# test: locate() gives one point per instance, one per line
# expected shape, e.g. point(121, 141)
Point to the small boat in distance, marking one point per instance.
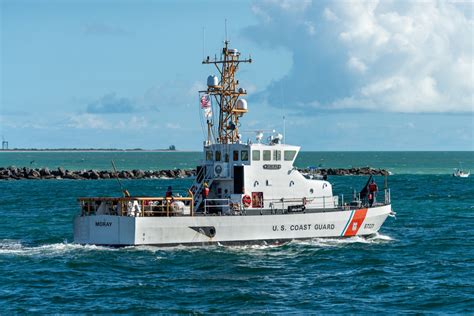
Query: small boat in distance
point(460, 173)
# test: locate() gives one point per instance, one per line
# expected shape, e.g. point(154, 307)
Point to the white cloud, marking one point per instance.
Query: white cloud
point(137, 122)
point(111, 103)
point(88, 121)
point(356, 64)
point(310, 28)
point(329, 15)
point(106, 122)
point(394, 56)
point(291, 5)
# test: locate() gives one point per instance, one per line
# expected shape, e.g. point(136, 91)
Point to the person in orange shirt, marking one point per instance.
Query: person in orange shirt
point(205, 191)
point(372, 192)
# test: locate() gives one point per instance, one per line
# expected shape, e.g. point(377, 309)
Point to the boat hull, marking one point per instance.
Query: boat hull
point(202, 230)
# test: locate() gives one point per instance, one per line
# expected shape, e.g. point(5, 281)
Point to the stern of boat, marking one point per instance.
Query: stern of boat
point(104, 230)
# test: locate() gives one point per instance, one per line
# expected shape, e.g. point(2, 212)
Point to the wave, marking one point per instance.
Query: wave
point(336, 242)
point(16, 247)
point(314, 242)
point(320, 242)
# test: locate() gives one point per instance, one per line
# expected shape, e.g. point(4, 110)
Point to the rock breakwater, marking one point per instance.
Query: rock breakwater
point(15, 173)
point(21, 173)
point(364, 171)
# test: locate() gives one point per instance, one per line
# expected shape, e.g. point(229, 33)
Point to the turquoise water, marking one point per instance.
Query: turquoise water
point(421, 262)
point(396, 162)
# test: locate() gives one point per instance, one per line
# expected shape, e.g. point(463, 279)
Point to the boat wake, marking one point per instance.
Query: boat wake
point(335, 242)
point(316, 242)
point(16, 247)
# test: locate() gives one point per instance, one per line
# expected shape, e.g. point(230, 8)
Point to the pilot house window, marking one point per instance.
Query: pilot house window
point(244, 155)
point(235, 155)
point(255, 155)
point(218, 156)
point(208, 155)
point(267, 155)
point(290, 155)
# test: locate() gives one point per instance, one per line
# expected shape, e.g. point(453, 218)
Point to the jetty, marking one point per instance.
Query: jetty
point(25, 173)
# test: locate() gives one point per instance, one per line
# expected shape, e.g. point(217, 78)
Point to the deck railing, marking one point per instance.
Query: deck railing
point(217, 206)
point(137, 206)
point(318, 202)
point(380, 198)
point(184, 206)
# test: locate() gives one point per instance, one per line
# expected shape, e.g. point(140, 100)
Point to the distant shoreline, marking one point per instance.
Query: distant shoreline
point(92, 150)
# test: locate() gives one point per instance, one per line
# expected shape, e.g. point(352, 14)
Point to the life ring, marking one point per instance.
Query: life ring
point(246, 200)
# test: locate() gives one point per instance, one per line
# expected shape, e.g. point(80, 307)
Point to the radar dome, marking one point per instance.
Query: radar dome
point(242, 104)
point(212, 81)
point(233, 51)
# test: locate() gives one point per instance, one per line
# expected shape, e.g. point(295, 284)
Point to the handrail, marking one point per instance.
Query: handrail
point(305, 200)
point(197, 187)
point(144, 206)
point(121, 205)
point(192, 202)
point(385, 199)
point(133, 198)
point(226, 204)
point(308, 199)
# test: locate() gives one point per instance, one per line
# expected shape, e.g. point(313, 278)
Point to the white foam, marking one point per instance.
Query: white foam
point(379, 236)
point(262, 246)
point(15, 247)
point(335, 242)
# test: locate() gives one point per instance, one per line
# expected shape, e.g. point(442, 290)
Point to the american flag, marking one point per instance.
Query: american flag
point(205, 101)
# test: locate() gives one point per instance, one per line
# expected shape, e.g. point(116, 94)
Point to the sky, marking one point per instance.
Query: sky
point(345, 75)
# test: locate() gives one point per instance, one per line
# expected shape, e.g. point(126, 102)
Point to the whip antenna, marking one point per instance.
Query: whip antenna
point(203, 42)
point(124, 191)
point(225, 24)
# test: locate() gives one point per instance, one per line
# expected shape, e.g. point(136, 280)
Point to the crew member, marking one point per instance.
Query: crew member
point(372, 192)
point(205, 194)
point(169, 192)
point(205, 191)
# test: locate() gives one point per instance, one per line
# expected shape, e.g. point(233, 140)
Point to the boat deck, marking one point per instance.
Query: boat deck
point(183, 206)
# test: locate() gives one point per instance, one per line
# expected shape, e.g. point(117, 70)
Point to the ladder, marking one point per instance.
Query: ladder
point(206, 177)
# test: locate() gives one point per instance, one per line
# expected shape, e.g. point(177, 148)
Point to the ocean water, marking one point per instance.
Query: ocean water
point(422, 261)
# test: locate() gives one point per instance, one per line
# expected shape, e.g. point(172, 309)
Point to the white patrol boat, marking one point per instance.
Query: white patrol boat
point(243, 192)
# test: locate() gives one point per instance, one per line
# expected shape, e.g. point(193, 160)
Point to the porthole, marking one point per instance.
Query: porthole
point(311, 191)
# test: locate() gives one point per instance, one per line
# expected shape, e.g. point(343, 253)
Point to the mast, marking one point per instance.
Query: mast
point(226, 93)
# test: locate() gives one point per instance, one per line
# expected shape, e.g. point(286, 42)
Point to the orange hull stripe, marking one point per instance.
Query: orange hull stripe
point(356, 222)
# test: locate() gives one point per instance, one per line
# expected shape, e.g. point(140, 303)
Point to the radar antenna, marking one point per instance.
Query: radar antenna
point(226, 93)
